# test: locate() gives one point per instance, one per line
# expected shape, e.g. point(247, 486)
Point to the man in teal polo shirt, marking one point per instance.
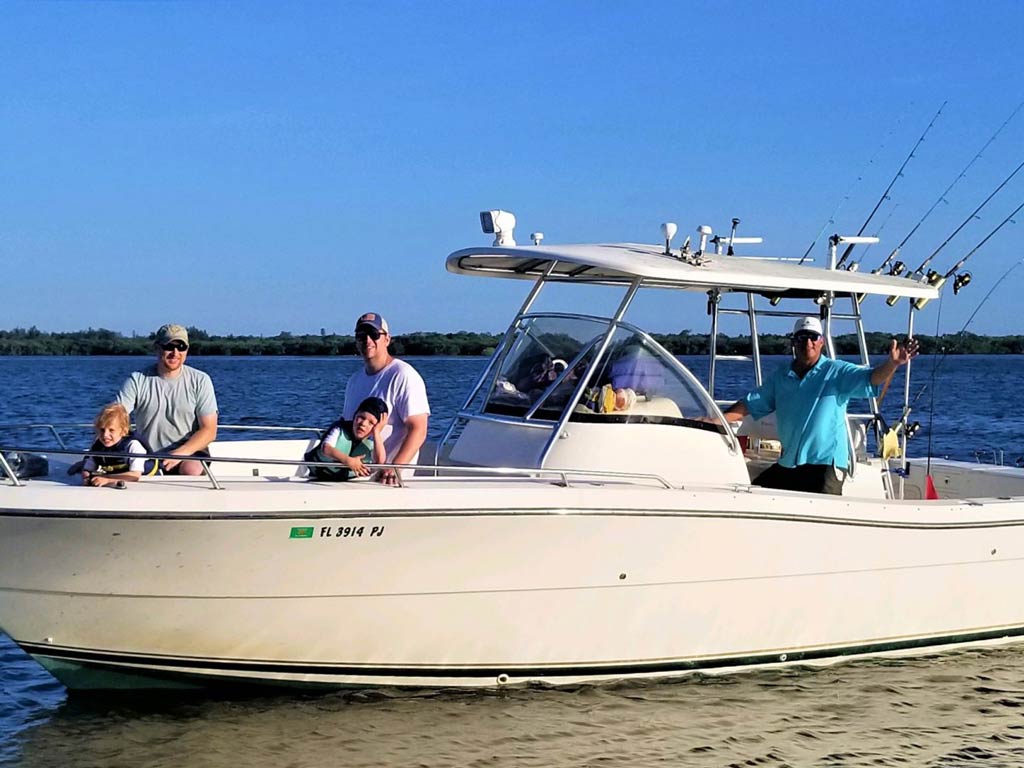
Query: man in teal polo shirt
point(809, 397)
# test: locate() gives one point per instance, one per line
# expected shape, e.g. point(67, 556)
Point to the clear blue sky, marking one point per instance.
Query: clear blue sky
point(258, 167)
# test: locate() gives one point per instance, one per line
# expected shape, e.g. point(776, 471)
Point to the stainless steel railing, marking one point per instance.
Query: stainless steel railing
point(436, 471)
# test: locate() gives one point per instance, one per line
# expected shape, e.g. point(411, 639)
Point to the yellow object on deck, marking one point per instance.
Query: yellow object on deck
point(891, 444)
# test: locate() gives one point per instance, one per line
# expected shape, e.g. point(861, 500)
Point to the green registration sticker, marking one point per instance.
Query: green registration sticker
point(301, 533)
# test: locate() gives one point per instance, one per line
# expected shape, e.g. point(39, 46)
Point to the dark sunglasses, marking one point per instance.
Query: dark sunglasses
point(801, 338)
point(181, 346)
point(362, 335)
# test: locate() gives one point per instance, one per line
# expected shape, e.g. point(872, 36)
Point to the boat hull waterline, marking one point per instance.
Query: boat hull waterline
point(607, 584)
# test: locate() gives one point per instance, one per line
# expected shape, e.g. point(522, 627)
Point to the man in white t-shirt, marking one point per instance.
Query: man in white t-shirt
point(396, 383)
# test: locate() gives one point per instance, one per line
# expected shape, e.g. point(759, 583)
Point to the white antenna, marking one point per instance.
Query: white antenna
point(536, 237)
point(668, 231)
point(705, 232)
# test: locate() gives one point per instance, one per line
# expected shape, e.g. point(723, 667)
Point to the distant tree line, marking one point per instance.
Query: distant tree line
point(686, 343)
point(100, 341)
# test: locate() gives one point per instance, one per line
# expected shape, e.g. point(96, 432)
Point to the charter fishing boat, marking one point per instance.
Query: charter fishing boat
point(587, 516)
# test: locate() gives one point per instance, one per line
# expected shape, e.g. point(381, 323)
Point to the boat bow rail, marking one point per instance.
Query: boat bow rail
point(564, 477)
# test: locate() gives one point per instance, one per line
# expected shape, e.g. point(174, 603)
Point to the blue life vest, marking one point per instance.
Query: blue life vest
point(115, 465)
point(362, 448)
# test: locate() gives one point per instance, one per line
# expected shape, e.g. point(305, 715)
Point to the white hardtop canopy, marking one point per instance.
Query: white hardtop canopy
point(622, 263)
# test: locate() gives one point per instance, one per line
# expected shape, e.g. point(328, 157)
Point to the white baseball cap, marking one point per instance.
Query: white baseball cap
point(808, 325)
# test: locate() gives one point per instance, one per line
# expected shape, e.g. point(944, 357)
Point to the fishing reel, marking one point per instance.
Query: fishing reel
point(889, 447)
point(962, 280)
point(897, 269)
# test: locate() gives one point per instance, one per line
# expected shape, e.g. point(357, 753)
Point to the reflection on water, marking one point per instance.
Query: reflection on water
point(948, 710)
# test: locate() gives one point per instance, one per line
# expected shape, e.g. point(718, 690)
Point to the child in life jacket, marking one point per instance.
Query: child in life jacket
point(349, 443)
point(113, 437)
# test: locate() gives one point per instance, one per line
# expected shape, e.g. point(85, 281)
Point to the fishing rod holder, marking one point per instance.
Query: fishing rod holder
point(714, 299)
point(934, 279)
point(849, 240)
point(724, 244)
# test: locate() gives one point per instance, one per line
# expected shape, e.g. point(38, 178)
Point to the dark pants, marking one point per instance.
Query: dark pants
point(810, 478)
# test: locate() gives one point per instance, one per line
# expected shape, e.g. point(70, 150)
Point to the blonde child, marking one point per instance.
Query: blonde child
point(113, 436)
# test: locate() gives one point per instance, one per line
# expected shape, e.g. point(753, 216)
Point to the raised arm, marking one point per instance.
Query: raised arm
point(899, 354)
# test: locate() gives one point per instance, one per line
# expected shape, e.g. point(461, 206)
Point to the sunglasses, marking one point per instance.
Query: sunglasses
point(363, 335)
point(801, 338)
point(180, 346)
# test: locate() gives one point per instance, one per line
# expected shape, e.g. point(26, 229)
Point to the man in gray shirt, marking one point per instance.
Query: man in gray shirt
point(173, 405)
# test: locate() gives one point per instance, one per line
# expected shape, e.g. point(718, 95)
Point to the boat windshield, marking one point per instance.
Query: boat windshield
point(551, 358)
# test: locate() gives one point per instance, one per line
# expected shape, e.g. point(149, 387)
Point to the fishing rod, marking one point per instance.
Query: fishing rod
point(942, 199)
point(854, 265)
point(964, 278)
point(845, 198)
point(932, 276)
point(913, 428)
point(888, 189)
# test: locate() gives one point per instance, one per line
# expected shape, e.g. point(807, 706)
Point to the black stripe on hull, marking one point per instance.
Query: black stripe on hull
point(126, 662)
point(547, 511)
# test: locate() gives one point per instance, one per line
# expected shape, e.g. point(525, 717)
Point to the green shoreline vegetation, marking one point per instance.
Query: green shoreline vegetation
point(32, 341)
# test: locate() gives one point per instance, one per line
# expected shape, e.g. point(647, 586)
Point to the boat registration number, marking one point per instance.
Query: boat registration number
point(338, 532)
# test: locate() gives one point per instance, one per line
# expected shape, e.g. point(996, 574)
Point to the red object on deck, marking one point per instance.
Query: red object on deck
point(929, 488)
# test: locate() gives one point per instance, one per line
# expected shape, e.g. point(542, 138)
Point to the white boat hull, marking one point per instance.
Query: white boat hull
point(481, 583)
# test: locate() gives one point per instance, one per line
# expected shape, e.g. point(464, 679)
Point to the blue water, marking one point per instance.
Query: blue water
point(950, 710)
point(969, 417)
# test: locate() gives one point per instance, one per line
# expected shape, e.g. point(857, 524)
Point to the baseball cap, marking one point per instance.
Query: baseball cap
point(808, 325)
point(373, 320)
point(373, 406)
point(171, 332)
